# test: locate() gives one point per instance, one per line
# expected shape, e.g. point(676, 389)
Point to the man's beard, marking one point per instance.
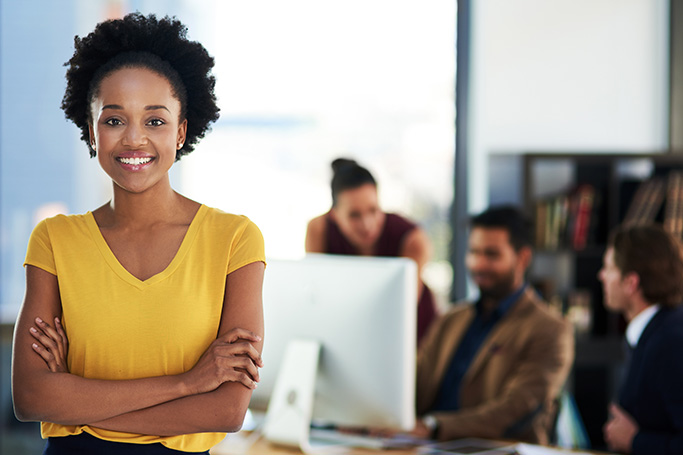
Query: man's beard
point(500, 289)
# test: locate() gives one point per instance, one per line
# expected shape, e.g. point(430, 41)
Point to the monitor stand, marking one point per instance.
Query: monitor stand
point(288, 419)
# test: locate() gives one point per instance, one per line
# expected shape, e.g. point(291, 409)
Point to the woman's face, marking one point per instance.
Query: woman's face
point(358, 215)
point(136, 128)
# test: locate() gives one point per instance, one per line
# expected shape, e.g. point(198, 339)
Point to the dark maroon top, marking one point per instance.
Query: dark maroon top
point(389, 244)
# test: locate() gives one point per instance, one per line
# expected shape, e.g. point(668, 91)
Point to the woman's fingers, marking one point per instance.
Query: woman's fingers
point(47, 328)
point(44, 340)
point(238, 333)
point(240, 363)
point(61, 332)
point(63, 340)
point(52, 344)
point(242, 348)
point(243, 378)
point(247, 349)
point(245, 364)
point(47, 356)
point(232, 357)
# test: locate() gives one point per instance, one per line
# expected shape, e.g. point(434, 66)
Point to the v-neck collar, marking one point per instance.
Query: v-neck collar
point(123, 273)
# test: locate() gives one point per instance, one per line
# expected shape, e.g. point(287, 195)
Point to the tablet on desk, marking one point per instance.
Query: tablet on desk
point(469, 446)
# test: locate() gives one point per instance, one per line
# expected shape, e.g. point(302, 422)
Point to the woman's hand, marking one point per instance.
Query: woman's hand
point(230, 358)
point(51, 344)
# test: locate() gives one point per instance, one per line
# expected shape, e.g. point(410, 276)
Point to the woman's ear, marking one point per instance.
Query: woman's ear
point(91, 133)
point(182, 134)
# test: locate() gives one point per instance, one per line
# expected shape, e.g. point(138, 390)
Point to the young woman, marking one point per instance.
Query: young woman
point(357, 225)
point(141, 329)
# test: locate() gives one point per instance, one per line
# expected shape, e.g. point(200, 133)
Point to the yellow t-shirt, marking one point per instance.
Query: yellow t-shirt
point(122, 328)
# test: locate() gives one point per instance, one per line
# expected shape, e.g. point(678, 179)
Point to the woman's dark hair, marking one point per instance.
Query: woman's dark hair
point(510, 218)
point(138, 41)
point(348, 175)
point(655, 256)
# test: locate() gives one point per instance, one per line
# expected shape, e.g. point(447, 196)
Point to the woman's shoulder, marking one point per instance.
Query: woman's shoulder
point(61, 222)
point(218, 215)
point(399, 222)
point(319, 222)
point(316, 234)
point(222, 221)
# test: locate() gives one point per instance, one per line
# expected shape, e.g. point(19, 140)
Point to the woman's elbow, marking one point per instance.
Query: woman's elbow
point(227, 423)
point(228, 416)
point(30, 405)
point(234, 426)
point(232, 421)
point(25, 410)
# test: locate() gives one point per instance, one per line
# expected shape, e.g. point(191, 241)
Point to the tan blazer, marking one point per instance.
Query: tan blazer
point(509, 389)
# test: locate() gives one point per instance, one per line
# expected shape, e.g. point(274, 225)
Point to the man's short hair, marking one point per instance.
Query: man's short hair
point(510, 218)
point(655, 256)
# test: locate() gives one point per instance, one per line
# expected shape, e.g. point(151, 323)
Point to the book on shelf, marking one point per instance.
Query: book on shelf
point(566, 220)
point(673, 211)
point(583, 218)
point(651, 195)
point(646, 202)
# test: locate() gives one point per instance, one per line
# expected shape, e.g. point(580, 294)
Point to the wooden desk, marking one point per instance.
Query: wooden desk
point(238, 443)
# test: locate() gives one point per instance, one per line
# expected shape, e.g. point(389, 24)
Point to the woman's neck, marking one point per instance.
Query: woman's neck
point(153, 206)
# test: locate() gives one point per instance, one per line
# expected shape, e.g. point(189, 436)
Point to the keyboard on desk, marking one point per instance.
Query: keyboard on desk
point(323, 436)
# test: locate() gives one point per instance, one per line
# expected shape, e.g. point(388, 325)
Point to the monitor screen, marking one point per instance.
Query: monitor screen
point(362, 311)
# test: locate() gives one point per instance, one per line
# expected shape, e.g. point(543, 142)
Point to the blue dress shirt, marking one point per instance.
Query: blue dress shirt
point(448, 398)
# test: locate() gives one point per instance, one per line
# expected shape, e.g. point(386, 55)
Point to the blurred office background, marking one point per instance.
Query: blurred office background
point(299, 83)
point(302, 82)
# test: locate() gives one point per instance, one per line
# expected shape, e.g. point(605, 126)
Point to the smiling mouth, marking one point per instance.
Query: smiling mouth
point(135, 161)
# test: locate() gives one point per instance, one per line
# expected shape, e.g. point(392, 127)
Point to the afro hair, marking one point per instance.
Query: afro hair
point(186, 64)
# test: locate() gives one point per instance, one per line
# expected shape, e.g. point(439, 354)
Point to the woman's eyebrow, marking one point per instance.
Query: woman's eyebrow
point(152, 107)
point(155, 107)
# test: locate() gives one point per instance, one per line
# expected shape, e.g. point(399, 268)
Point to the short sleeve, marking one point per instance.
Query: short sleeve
point(39, 253)
point(247, 247)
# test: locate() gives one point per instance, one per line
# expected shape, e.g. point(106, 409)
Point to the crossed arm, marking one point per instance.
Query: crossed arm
point(212, 396)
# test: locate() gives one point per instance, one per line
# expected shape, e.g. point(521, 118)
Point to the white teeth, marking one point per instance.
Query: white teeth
point(135, 161)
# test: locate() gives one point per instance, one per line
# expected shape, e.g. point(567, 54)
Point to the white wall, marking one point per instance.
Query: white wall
point(565, 76)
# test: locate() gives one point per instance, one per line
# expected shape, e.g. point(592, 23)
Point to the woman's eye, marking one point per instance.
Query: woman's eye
point(156, 122)
point(114, 122)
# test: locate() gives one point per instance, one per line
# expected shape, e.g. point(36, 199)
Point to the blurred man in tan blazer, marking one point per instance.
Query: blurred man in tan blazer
point(493, 368)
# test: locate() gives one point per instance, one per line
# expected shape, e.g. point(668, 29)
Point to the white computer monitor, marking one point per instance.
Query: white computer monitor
point(362, 311)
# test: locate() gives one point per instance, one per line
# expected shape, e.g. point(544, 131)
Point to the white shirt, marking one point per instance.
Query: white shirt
point(637, 325)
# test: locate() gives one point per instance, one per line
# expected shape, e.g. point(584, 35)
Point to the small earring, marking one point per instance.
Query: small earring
point(180, 146)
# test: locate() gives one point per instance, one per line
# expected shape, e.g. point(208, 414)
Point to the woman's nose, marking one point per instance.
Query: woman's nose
point(134, 136)
point(368, 223)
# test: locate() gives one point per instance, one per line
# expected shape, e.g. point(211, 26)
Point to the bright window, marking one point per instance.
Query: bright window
point(299, 83)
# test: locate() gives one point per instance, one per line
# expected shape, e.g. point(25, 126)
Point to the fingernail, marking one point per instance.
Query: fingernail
point(39, 320)
point(33, 330)
point(35, 346)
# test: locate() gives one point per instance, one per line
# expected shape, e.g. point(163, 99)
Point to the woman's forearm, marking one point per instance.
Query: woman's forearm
point(222, 410)
point(68, 399)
